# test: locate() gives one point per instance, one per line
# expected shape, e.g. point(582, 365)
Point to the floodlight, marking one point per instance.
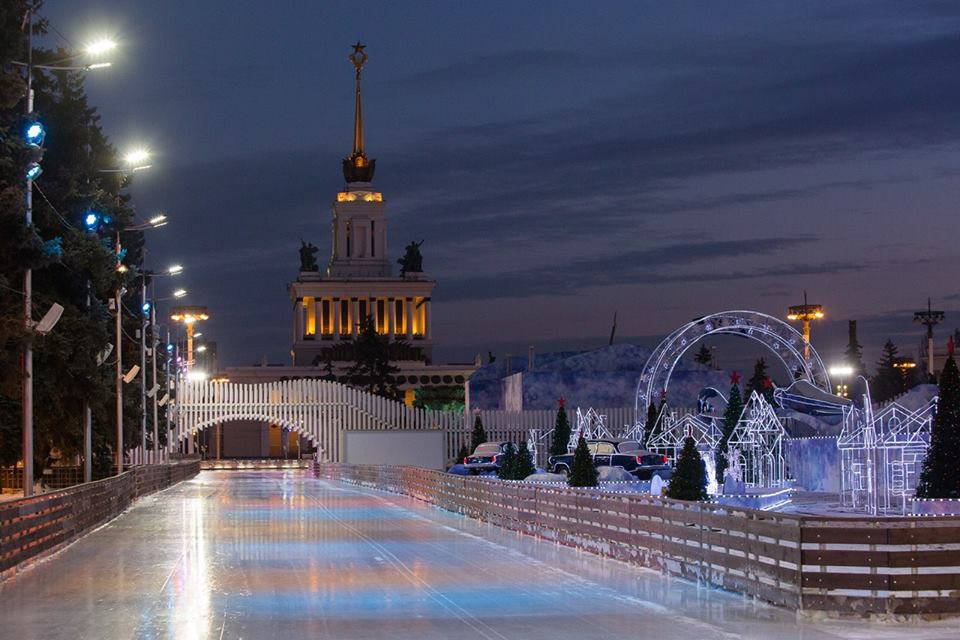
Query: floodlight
point(33, 171)
point(153, 390)
point(50, 320)
point(145, 307)
point(202, 348)
point(179, 293)
point(197, 376)
point(175, 269)
point(162, 401)
point(35, 134)
point(169, 348)
point(136, 157)
point(91, 221)
point(134, 370)
point(103, 355)
point(841, 371)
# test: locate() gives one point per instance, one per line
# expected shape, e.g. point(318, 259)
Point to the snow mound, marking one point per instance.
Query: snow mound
point(614, 474)
point(546, 477)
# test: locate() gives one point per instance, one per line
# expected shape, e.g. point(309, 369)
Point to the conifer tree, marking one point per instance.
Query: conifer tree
point(730, 419)
point(478, 436)
point(462, 454)
point(652, 428)
point(508, 463)
point(704, 357)
point(940, 477)
point(889, 381)
point(561, 431)
point(524, 466)
point(760, 382)
point(689, 481)
point(583, 473)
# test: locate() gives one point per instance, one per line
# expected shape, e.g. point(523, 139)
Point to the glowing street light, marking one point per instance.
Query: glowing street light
point(100, 46)
point(179, 293)
point(158, 220)
point(137, 159)
point(174, 269)
point(842, 372)
point(189, 316)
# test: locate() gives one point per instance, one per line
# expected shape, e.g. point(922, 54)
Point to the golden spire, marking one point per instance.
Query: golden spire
point(357, 168)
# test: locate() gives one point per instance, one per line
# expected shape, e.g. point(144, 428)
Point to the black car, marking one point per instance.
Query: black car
point(487, 457)
point(612, 452)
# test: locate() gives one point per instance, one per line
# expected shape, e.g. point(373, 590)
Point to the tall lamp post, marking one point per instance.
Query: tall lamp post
point(805, 313)
point(33, 171)
point(929, 318)
point(154, 342)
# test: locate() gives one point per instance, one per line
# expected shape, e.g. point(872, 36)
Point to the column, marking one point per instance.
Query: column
point(391, 317)
point(336, 318)
point(374, 312)
point(297, 321)
point(318, 318)
point(354, 316)
point(408, 313)
point(427, 320)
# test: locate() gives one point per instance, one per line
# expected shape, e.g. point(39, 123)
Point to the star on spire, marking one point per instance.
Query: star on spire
point(734, 377)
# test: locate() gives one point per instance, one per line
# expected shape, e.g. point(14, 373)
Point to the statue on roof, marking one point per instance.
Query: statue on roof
point(308, 257)
point(412, 260)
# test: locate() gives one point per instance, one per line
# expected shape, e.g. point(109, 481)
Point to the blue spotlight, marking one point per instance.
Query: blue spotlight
point(170, 348)
point(33, 171)
point(35, 134)
point(91, 221)
point(146, 306)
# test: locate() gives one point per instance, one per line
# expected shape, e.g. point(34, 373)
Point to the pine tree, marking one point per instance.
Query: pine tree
point(462, 454)
point(652, 428)
point(525, 466)
point(853, 355)
point(561, 432)
point(760, 382)
point(478, 436)
point(730, 419)
point(689, 481)
point(583, 473)
point(889, 381)
point(940, 477)
point(508, 463)
point(704, 357)
point(371, 369)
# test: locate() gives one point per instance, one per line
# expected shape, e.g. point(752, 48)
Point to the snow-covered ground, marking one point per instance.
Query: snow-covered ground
point(279, 554)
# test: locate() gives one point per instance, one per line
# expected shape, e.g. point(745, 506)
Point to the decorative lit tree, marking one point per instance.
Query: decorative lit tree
point(689, 481)
point(524, 466)
point(508, 464)
point(478, 436)
point(561, 431)
point(583, 473)
point(730, 418)
point(940, 477)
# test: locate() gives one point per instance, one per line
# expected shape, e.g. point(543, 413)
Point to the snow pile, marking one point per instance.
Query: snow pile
point(604, 378)
point(614, 474)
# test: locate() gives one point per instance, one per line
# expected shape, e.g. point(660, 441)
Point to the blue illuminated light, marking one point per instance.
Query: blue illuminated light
point(35, 134)
point(169, 348)
point(33, 171)
point(146, 306)
point(91, 220)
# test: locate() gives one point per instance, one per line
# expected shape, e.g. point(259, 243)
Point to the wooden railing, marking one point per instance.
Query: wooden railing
point(862, 566)
point(33, 526)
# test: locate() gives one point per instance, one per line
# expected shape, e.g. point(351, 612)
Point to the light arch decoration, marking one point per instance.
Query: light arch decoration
point(785, 342)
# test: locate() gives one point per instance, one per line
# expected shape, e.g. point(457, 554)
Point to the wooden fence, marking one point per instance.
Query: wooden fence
point(32, 526)
point(861, 566)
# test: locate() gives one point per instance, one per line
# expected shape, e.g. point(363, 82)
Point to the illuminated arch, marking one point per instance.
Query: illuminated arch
point(785, 342)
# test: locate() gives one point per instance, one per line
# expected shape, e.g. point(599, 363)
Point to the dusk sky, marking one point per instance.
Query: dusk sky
point(562, 160)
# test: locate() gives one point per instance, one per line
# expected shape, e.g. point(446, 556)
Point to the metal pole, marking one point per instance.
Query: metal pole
point(166, 390)
point(119, 345)
point(87, 424)
point(153, 357)
point(27, 399)
point(143, 370)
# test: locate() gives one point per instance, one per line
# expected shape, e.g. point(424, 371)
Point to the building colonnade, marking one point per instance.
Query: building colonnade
point(336, 318)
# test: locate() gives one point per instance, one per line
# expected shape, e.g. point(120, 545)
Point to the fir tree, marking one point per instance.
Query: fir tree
point(704, 357)
point(940, 477)
point(889, 381)
point(652, 427)
point(478, 436)
point(371, 369)
point(508, 463)
point(561, 432)
point(462, 454)
point(853, 355)
point(760, 382)
point(525, 466)
point(730, 419)
point(583, 473)
point(689, 481)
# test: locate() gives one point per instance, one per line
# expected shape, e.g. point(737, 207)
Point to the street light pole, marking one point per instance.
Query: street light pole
point(143, 369)
point(87, 423)
point(27, 365)
point(156, 391)
point(119, 340)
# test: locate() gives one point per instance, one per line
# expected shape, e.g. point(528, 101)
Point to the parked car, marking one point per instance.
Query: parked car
point(487, 457)
point(612, 452)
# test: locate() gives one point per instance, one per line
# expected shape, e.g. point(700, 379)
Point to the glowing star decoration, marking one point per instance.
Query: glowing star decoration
point(735, 377)
point(562, 401)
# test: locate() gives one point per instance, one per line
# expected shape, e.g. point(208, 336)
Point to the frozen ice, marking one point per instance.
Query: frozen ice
point(280, 554)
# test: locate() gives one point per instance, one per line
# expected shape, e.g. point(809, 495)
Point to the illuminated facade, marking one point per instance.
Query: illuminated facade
point(358, 281)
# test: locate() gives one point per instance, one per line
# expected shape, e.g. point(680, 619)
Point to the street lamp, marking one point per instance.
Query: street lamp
point(189, 316)
point(34, 136)
point(841, 372)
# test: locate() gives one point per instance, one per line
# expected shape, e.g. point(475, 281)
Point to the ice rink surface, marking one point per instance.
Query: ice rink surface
point(283, 555)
